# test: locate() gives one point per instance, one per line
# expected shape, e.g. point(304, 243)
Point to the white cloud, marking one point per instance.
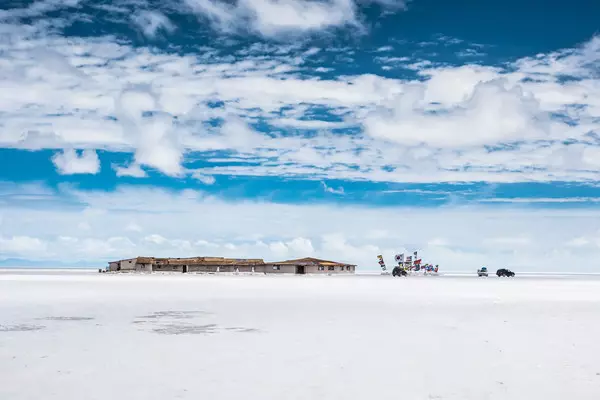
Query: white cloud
point(510, 241)
point(39, 7)
point(21, 246)
point(571, 62)
point(133, 170)
point(271, 18)
point(329, 189)
point(151, 22)
point(133, 227)
point(438, 242)
point(156, 143)
point(205, 179)
point(159, 101)
point(540, 200)
point(451, 85)
point(69, 162)
point(188, 223)
point(492, 114)
point(578, 242)
point(297, 247)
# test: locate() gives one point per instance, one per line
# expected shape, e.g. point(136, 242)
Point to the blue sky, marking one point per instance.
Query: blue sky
point(340, 129)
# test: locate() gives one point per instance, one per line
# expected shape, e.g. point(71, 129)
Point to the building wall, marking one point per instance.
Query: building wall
point(128, 265)
point(143, 267)
point(113, 266)
point(202, 268)
point(224, 268)
point(244, 268)
point(280, 269)
point(260, 269)
point(167, 268)
point(314, 269)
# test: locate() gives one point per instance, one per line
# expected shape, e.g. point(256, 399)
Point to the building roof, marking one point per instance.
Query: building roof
point(312, 261)
point(201, 261)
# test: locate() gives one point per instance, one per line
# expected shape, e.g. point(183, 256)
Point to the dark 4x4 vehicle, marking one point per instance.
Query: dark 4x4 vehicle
point(505, 272)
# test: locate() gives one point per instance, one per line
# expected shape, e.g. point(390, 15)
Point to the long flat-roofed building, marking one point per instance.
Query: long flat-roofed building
point(220, 264)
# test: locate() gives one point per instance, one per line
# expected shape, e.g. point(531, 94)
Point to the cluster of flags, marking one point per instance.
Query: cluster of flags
point(411, 263)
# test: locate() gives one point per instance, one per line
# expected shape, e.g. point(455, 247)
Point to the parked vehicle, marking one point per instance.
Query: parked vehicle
point(398, 271)
point(505, 272)
point(482, 272)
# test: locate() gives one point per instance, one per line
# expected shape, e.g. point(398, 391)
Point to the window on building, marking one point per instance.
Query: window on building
point(342, 268)
point(321, 268)
point(331, 268)
point(276, 267)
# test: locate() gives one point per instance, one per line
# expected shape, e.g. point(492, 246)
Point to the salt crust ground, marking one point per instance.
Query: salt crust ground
point(74, 336)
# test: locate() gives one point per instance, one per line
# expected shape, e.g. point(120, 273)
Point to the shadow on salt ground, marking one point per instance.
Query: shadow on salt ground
point(243, 330)
point(67, 318)
point(181, 322)
point(173, 315)
point(21, 328)
point(179, 329)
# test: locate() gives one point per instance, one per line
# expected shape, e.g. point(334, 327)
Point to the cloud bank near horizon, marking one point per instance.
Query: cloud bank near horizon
point(94, 227)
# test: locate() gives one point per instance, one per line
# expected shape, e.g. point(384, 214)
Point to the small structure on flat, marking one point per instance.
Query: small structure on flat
point(299, 266)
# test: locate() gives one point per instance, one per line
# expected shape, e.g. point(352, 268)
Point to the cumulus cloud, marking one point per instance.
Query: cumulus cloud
point(492, 114)
point(297, 247)
point(272, 18)
point(70, 162)
point(151, 131)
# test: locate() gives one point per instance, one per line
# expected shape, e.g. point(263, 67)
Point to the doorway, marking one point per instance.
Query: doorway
point(185, 269)
point(300, 269)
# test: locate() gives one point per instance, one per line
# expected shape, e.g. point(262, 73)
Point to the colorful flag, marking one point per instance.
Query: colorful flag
point(381, 262)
